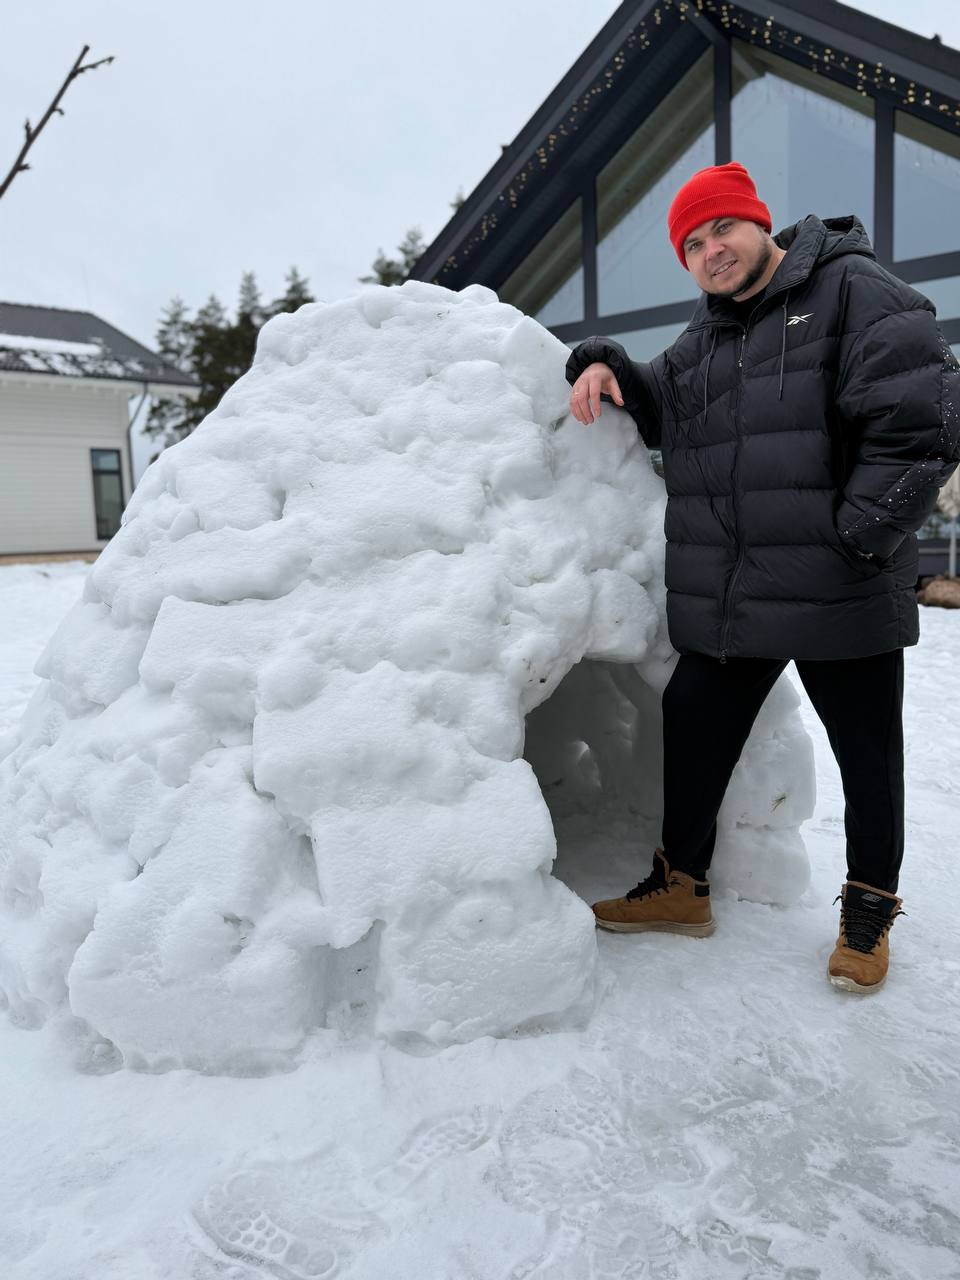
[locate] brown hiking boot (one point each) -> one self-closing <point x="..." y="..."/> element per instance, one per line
<point x="666" y="902"/>
<point x="862" y="954"/>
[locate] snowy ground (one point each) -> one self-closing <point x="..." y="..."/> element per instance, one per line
<point x="725" y="1114"/>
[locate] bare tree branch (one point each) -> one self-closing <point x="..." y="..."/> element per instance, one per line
<point x="31" y="135"/>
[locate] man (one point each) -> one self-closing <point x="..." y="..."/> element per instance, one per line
<point x="808" y="416"/>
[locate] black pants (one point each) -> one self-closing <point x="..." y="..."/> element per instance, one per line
<point x="708" y="710"/>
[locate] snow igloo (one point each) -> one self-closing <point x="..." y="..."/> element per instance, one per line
<point x="382" y="625"/>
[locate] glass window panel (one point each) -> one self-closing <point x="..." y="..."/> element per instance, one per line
<point x="106" y="459"/>
<point x="548" y="284"/>
<point x="807" y="142"/>
<point x="107" y="490"/>
<point x="566" y="305"/>
<point x="636" y="265"/>
<point x="644" y="344"/>
<point x="108" y="502"/>
<point x="926" y="189"/>
<point x="943" y="293"/>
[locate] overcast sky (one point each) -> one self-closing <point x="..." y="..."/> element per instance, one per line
<point x="230" y="135"/>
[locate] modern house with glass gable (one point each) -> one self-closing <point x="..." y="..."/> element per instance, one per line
<point x="833" y="112"/>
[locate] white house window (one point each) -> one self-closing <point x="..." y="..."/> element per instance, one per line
<point x="107" y="490"/>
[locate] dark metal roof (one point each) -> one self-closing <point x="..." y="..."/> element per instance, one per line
<point x="923" y="59"/>
<point x="118" y="357"/>
<point x="532" y="164"/>
<point x="641" y="52"/>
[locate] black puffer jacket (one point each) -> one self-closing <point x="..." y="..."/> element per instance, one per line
<point x="822" y="429"/>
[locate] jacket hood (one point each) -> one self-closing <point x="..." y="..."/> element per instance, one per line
<point x="809" y="243"/>
<point x="831" y="237"/>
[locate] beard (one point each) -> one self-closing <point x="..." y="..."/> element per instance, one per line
<point x="752" y="276"/>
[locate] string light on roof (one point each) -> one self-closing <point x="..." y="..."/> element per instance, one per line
<point x="864" y="79"/>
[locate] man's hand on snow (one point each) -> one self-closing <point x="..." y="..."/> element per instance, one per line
<point x="596" y="380"/>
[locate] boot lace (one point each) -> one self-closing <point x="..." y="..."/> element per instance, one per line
<point x="863" y="930"/>
<point x="653" y="884"/>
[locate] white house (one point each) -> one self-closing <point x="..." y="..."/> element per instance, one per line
<point x="66" y="383"/>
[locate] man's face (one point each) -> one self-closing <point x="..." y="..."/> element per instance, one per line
<point x="727" y="256"/>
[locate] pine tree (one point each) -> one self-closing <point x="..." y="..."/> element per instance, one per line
<point x="248" y="303"/>
<point x="411" y="249"/>
<point x="297" y="293"/>
<point x="393" y="270"/>
<point x="174" y="338"/>
<point x="215" y="349"/>
<point x="385" y="271"/>
<point x="167" y="418"/>
<point x="214" y="356"/>
<point x="250" y="316"/>
<point x="212" y="313"/>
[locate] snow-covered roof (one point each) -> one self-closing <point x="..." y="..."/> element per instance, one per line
<point x="78" y="344"/>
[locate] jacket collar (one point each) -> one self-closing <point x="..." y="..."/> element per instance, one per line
<point x="802" y="242"/>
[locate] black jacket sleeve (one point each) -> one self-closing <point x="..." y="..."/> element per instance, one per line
<point x="898" y="398"/>
<point x="638" y="383"/>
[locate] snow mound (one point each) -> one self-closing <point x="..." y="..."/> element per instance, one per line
<point x="272" y="779"/>
<point x="289" y="708"/>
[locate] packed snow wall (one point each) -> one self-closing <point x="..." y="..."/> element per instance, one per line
<point x="274" y="766"/>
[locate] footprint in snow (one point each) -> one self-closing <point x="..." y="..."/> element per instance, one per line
<point x="311" y="1218"/>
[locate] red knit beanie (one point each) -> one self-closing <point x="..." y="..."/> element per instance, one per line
<point x="722" y="191"/>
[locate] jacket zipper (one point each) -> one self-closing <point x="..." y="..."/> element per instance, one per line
<point x="728" y="594"/>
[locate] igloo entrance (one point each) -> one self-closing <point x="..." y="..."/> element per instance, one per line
<point x="280" y="737"/>
<point x="595" y="748"/>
